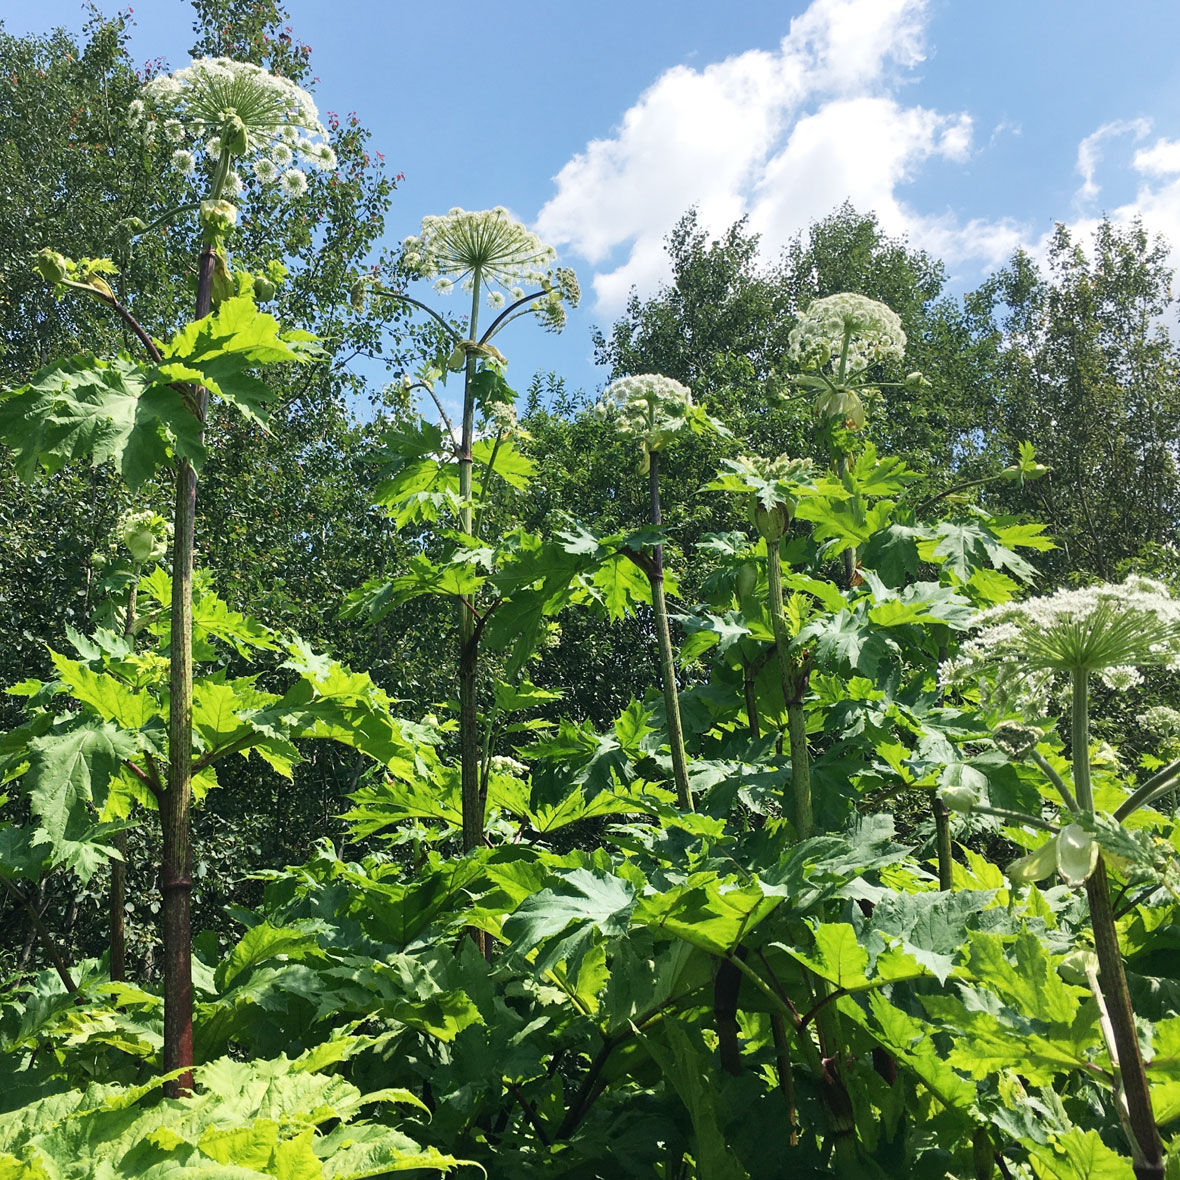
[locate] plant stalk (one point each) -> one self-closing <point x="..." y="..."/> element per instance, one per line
<point x="46" y="939"/>
<point x="118" y="898"/>
<point x="176" y="883"/>
<point x="473" y="815"/>
<point x="794" y="681"/>
<point x="1147" y="1149"/>
<point x="664" y="637"/>
<point x="1080" y="740"/>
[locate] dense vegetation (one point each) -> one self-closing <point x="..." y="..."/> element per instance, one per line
<point x="765" y="767"/>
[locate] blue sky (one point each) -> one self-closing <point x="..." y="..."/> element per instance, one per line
<point x="968" y="126"/>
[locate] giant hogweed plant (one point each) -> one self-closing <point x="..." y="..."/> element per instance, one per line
<point x="136" y="719"/>
<point x="447" y="472"/>
<point x="757" y="952"/>
<point x="1020" y="655"/>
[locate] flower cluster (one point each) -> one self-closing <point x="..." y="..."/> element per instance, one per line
<point x="1161" y="721"/>
<point x="849" y="332"/>
<point x="502" y="416"/>
<point x="487" y="247"/>
<point x="650" y="407"/>
<point x="146" y="535"/>
<point x="653" y="409"/>
<point x="1022" y="648"/>
<point x="222" y="109"/>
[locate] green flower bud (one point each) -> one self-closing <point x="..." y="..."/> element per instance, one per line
<point x="1036" y="866"/>
<point x="264" y="289"/>
<point x="234" y="134"/>
<point x="1076" y="966"/>
<point x="962" y="799"/>
<point x="50" y="265"/>
<point x="127" y="229"/>
<point x="1016" y="740"/>
<point x="457" y="359"/>
<point x="844" y="404"/>
<point x="915" y="380"/>
<point x="772" y="523"/>
<point x="1077" y="854"/>
<point x="747" y="580"/>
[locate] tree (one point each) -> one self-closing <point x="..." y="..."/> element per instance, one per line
<point x="1081" y="361"/>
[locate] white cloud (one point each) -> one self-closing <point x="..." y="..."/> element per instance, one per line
<point x="783" y="137"/>
<point x="1090" y="150"/>
<point x="730" y="138"/>
<point x="1162" y="159"/>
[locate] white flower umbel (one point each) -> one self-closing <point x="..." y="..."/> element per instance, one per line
<point x="294" y="182"/>
<point x="487" y="244"/>
<point x="1108" y="629"/>
<point x="235" y="110"/>
<point x="848" y="332"/>
<point x="651" y="407"/>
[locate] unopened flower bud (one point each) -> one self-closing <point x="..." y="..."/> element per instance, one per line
<point x="772" y="523"/>
<point x="961" y="798"/>
<point x="1077" y="854"/>
<point x="51" y="265"/>
<point x="1016" y="740"/>
<point x="747" y="580"/>
<point x="264" y="289"/>
<point x="1036" y="866"/>
<point x="234" y="135"/>
<point x="1077" y="965"/>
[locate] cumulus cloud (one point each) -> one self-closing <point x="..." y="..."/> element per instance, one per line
<point x="1148" y="191"/>
<point x="783" y="137"/>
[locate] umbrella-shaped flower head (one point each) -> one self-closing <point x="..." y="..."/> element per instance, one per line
<point x="223" y="107"/>
<point x="654" y="409"/>
<point x="848" y="332"/>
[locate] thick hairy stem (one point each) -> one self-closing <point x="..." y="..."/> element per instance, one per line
<point x="175" y="883"/>
<point x="793" y="684"/>
<point x="749" y="688"/>
<point x="1147" y="1148"/>
<point x="667" y="659"/>
<point x="118" y="898"/>
<point x="786" y="1076"/>
<point x="473" y="817"/>
<point x="849" y="554"/>
<point x="942" y="818"/>
<point x="118" y="902"/>
<point x="46" y="939"/>
<point x="942" y="844"/>
<point x="837" y="1101"/>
